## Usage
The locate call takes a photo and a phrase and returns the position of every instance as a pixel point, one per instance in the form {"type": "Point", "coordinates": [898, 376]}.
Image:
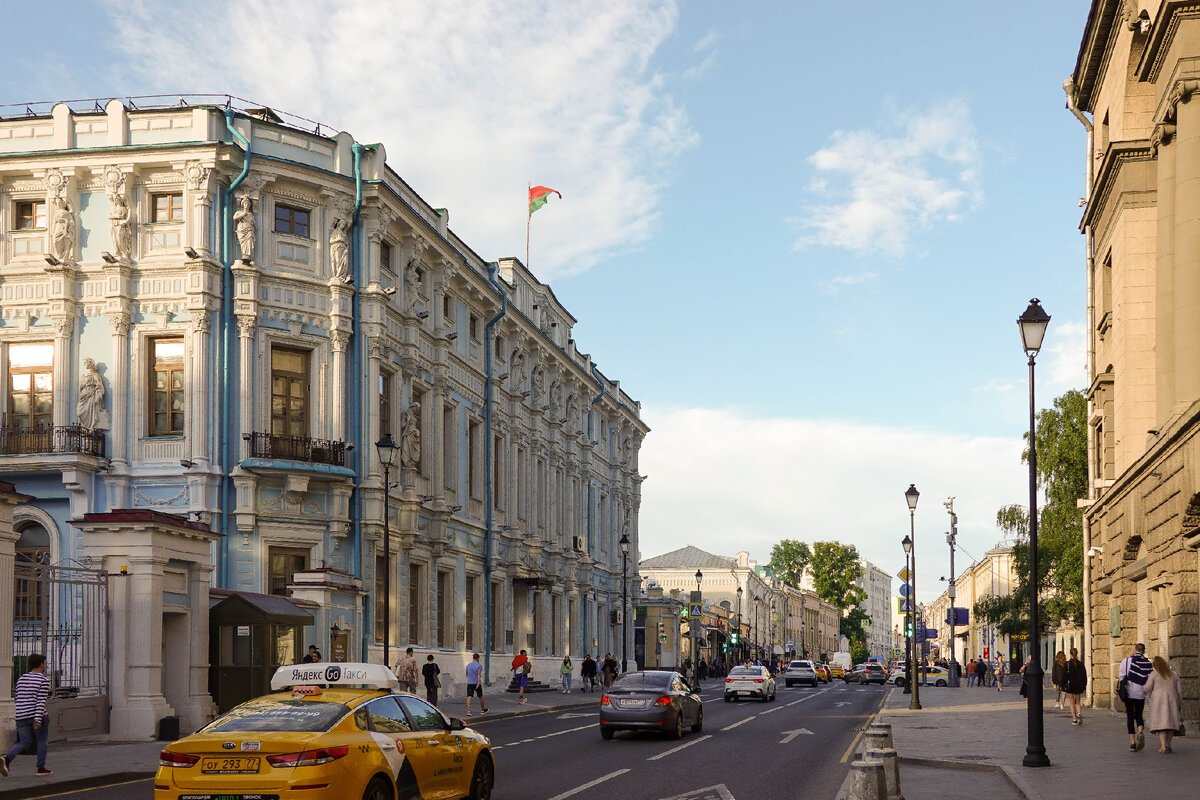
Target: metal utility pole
{"type": "Point", "coordinates": [951, 539]}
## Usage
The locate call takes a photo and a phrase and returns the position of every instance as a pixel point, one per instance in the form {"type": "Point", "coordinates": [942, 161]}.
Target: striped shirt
{"type": "Point", "coordinates": [32, 690]}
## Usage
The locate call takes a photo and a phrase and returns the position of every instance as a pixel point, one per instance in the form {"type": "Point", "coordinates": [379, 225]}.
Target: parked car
{"type": "Point", "coordinates": [750, 682]}
{"type": "Point", "coordinates": [867, 673]}
{"type": "Point", "coordinates": [650, 700]}
{"type": "Point", "coordinates": [938, 676]}
{"type": "Point", "coordinates": [801, 671]}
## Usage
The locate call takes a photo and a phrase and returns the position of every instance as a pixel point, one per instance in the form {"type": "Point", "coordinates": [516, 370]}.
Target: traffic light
{"type": "Point", "coordinates": [908, 629]}
{"type": "Point", "coordinates": [733, 638]}
{"type": "Point", "coordinates": [662, 632]}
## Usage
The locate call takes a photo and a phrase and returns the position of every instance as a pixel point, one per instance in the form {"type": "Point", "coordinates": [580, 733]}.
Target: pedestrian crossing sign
{"type": "Point", "coordinates": [903, 605]}
{"type": "Point", "coordinates": [695, 610]}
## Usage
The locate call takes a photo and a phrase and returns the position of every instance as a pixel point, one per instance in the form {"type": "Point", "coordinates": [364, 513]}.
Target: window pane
{"type": "Point", "coordinates": [288, 361]}
{"type": "Point", "coordinates": [387, 717]}
{"type": "Point", "coordinates": [30, 355]}
{"type": "Point", "coordinates": [426, 717]}
{"type": "Point", "coordinates": [168, 351]}
{"type": "Point", "coordinates": [21, 381]}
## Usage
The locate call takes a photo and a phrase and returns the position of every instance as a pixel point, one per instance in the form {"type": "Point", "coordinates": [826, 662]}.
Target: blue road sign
{"type": "Point", "coordinates": [903, 605]}
{"type": "Point", "coordinates": [905, 590]}
{"type": "Point", "coordinates": [695, 610]}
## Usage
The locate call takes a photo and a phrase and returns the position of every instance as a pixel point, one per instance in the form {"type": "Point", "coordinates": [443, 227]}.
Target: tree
{"type": "Point", "coordinates": [1061, 433]}
{"type": "Point", "coordinates": [836, 571]}
{"type": "Point", "coordinates": [789, 559]}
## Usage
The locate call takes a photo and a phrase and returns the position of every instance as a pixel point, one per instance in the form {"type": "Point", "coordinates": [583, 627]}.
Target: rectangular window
{"type": "Point", "coordinates": [168, 207]}
{"type": "Point", "coordinates": [385, 256]}
{"type": "Point", "coordinates": [283, 563]}
{"type": "Point", "coordinates": [470, 612]}
{"type": "Point", "coordinates": [30, 216]}
{"type": "Point", "coordinates": [289, 219]}
{"type": "Point", "coordinates": [166, 387]}
{"type": "Point", "coordinates": [496, 611]}
{"type": "Point", "coordinates": [414, 603]}
{"type": "Point", "coordinates": [475, 459]}
{"type": "Point", "coordinates": [445, 610]}
{"type": "Point", "coordinates": [473, 326]}
{"type": "Point", "coordinates": [30, 385]}
{"type": "Point", "coordinates": [450, 446]}
{"type": "Point", "coordinates": [539, 510]}
{"type": "Point", "coordinates": [289, 393]}
{"type": "Point", "coordinates": [385, 402]}
{"type": "Point", "coordinates": [497, 474]}
{"type": "Point", "coordinates": [377, 606]}
{"type": "Point", "coordinates": [499, 348]}
{"type": "Point", "coordinates": [447, 308]}
{"type": "Point", "coordinates": [522, 485]}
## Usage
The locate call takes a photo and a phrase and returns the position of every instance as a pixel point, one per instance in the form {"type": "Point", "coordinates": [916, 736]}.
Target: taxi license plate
{"type": "Point", "coordinates": [229, 766]}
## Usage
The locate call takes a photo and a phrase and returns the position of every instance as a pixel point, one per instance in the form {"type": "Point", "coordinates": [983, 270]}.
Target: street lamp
{"type": "Point", "coordinates": [1033, 327]}
{"type": "Point", "coordinates": [952, 539]}
{"type": "Point", "coordinates": [696, 631]}
{"type": "Point", "coordinates": [624, 542]}
{"type": "Point", "coordinates": [771, 625]}
{"type": "Point", "coordinates": [757, 646]}
{"type": "Point", "coordinates": [911, 494]}
{"type": "Point", "coordinates": [741, 644]}
{"type": "Point", "coordinates": [906, 543]}
{"type": "Point", "coordinates": [386, 449]}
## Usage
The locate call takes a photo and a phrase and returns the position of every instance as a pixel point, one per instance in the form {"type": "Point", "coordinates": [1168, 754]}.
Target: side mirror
{"type": "Point", "coordinates": [457, 724]}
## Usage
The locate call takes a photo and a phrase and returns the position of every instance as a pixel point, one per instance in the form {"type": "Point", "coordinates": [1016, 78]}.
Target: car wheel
{"type": "Point", "coordinates": [727, 699]}
{"type": "Point", "coordinates": [699, 726]}
{"type": "Point", "coordinates": [940, 683]}
{"type": "Point", "coordinates": [676, 731]}
{"type": "Point", "coordinates": [606, 733]}
{"type": "Point", "coordinates": [378, 789]}
{"type": "Point", "coordinates": [483, 779]}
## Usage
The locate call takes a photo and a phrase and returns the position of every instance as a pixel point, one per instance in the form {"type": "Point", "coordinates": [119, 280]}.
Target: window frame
{"type": "Point", "coordinates": [291, 220]}
{"type": "Point", "coordinates": [33, 215]}
{"type": "Point", "coordinates": [306, 375]}
{"type": "Point", "coordinates": [39, 369]}
{"type": "Point", "coordinates": [171, 208]}
{"type": "Point", "coordinates": [153, 371]}
{"type": "Point", "coordinates": [385, 256]}
{"type": "Point", "coordinates": [304, 553]}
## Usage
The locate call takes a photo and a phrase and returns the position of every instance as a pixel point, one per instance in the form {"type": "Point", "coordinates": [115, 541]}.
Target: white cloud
{"type": "Point", "coordinates": [872, 189]}
{"type": "Point", "coordinates": [473, 100]}
{"type": "Point", "coordinates": [994, 386]}
{"type": "Point", "coordinates": [725, 482]}
{"type": "Point", "coordinates": [1063, 359]}
{"type": "Point", "coordinates": [835, 285]}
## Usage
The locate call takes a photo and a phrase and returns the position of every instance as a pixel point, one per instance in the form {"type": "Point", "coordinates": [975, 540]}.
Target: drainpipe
{"type": "Point", "coordinates": [1089, 259]}
{"type": "Point", "coordinates": [225, 440]}
{"type": "Point", "coordinates": [489, 478]}
{"type": "Point", "coordinates": [590, 501]}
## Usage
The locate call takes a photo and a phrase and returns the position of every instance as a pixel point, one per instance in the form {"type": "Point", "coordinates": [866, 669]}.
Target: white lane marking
{"type": "Point", "coordinates": [841, 703]}
{"type": "Point", "coordinates": [740, 722]}
{"type": "Point", "coordinates": [707, 793]}
{"type": "Point", "coordinates": [568, 730]}
{"type": "Point", "coordinates": [573, 716]}
{"type": "Point", "coordinates": [769, 711]}
{"type": "Point", "coordinates": [793, 734]}
{"type": "Point", "coordinates": [590, 784]}
{"type": "Point", "coordinates": [680, 747]}
{"type": "Point", "coordinates": [802, 699]}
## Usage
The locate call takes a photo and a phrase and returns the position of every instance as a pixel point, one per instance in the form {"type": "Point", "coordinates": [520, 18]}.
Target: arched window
{"type": "Point", "coordinates": [32, 584]}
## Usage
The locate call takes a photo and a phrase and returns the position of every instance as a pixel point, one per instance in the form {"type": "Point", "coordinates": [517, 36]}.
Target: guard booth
{"type": "Point", "coordinates": [252, 635]}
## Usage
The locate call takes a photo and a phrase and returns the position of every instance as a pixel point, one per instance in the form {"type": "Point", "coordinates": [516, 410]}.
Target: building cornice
{"type": "Point", "coordinates": [1095, 50]}
{"type": "Point", "coordinates": [1162, 35]}
{"type": "Point", "coordinates": [1119, 154]}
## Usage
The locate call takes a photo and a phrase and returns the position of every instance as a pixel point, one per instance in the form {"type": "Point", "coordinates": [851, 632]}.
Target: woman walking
{"type": "Point", "coordinates": [1058, 678]}
{"type": "Point", "coordinates": [1076, 681]}
{"type": "Point", "coordinates": [564, 673]}
{"type": "Point", "coordinates": [1163, 703]}
{"type": "Point", "coordinates": [430, 671]}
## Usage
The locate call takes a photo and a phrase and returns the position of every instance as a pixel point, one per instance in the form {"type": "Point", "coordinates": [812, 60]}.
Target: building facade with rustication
{"type": "Point", "coordinates": [209, 315]}
{"type": "Point", "coordinates": [1134, 89]}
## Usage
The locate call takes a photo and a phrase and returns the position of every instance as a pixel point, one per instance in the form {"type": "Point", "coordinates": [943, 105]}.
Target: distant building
{"type": "Point", "coordinates": [880, 602]}
{"type": "Point", "coordinates": [992, 575]}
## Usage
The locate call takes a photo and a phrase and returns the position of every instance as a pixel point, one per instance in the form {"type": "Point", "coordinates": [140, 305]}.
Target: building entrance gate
{"type": "Point", "coordinates": [61, 611]}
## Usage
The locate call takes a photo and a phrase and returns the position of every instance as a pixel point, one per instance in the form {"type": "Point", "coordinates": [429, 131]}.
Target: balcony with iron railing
{"type": "Point", "coordinates": [52, 439]}
{"type": "Point", "coordinates": [297, 448]}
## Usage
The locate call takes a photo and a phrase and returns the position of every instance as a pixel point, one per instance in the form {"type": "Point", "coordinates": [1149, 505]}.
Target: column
{"type": "Point", "coordinates": [64, 328]}
{"type": "Point", "coordinates": [200, 703]}
{"type": "Point", "coordinates": [338, 340]}
{"type": "Point", "coordinates": [1187, 247]}
{"type": "Point", "coordinates": [200, 383]}
{"type": "Point", "coordinates": [135, 715]}
{"type": "Point", "coordinates": [119, 378]}
{"type": "Point", "coordinates": [246, 328]}
{"type": "Point", "coordinates": [196, 175]}
{"type": "Point", "coordinates": [8, 545]}
{"type": "Point", "coordinates": [1164, 279]}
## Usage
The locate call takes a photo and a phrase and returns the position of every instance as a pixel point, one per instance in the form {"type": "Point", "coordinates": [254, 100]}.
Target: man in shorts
{"type": "Point", "coordinates": [521, 669]}
{"type": "Point", "coordinates": [474, 684]}
{"type": "Point", "coordinates": [406, 672]}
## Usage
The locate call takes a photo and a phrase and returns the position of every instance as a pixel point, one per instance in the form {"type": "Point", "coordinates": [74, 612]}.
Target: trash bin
{"type": "Point", "coordinates": [168, 729]}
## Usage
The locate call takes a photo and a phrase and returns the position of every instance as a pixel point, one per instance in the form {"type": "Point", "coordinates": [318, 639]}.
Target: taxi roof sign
{"type": "Point", "coordinates": [372, 676]}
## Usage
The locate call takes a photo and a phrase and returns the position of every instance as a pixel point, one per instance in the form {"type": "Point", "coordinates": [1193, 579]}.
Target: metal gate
{"type": "Point", "coordinates": [61, 611]}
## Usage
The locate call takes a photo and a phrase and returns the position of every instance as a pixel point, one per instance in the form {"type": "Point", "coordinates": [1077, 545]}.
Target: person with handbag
{"type": "Point", "coordinates": [1058, 676]}
{"type": "Point", "coordinates": [1076, 678]}
{"type": "Point", "coordinates": [431, 672]}
{"type": "Point", "coordinates": [1024, 685]}
{"type": "Point", "coordinates": [1135, 671]}
{"type": "Point", "coordinates": [1164, 703]}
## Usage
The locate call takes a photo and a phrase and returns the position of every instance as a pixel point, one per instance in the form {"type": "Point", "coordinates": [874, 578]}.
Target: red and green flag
{"type": "Point", "coordinates": [539, 196]}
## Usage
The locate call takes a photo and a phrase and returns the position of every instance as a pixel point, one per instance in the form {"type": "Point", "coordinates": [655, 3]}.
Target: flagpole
{"type": "Point", "coordinates": [528, 217]}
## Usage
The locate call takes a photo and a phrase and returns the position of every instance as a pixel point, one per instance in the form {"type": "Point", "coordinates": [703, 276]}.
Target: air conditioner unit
{"type": "Point", "coordinates": [577, 543]}
{"type": "Point", "coordinates": [617, 617]}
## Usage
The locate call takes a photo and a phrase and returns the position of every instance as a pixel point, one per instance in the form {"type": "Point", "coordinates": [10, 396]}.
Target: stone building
{"type": "Point", "coordinates": [990, 576]}
{"type": "Point", "coordinates": [1134, 91]}
{"type": "Point", "coordinates": [877, 583]}
{"type": "Point", "coordinates": [209, 315]}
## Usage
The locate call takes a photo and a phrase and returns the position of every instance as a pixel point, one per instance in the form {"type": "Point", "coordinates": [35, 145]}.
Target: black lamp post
{"type": "Point", "coordinates": [908, 621]}
{"type": "Point", "coordinates": [624, 542]}
{"type": "Point", "coordinates": [386, 448]}
{"type": "Point", "coordinates": [757, 646]}
{"type": "Point", "coordinates": [741, 644]}
{"type": "Point", "coordinates": [771, 625]}
{"type": "Point", "coordinates": [695, 626]}
{"type": "Point", "coordinates": [911, 494]}
{"type": "Point", "coordinates": [1033, 328]}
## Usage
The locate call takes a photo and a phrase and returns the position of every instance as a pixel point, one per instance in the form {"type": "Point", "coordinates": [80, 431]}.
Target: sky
{"type": "Point", "coordinates": [800, 237]}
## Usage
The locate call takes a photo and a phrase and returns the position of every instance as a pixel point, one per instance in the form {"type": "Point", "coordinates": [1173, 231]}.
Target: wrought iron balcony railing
{"type": "Point", "coordinates": [297, 448]}
{"type": "Point", "coordinates": [52, 439]}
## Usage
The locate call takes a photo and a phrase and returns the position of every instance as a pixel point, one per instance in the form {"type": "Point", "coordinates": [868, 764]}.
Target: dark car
{"type": "Point", "coordinates": [651, 700]}
{"type": "Point", "coordinates": [867, 673]}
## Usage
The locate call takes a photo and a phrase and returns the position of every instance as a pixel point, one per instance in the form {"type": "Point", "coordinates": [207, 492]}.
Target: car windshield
{"type": "Point", "coordinates": [744, 671]}
{"type": "Point", "coordinates": [801, 665]}
{"type": "Point", "coordinates": [279, 715]}
{"type": "Point", "coordinates": [643, 680]}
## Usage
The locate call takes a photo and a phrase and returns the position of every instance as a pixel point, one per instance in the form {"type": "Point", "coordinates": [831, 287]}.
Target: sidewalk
{"type": "Point", "coordinates": [83, 764]}
{"type": "Point", "coordinates": [967, 738]}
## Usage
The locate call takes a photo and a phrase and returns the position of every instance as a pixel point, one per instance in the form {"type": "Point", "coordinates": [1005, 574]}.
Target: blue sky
{"type": "Point", "coordinates": [800, 236]}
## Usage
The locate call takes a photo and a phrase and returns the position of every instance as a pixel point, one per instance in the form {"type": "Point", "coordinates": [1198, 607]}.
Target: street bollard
{"type": "Point", "coordinates": [878, 737]}
{"type": "Point", "coordinates": [867, 781]}
{"type": "Point", "coordinates": [891, 770]}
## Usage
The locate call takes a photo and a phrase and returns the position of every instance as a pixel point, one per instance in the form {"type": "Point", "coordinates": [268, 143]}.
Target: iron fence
{"type": "Point", "coordinates": [52, 439]}
{"type": "Point", "coordinates": [298, 448]}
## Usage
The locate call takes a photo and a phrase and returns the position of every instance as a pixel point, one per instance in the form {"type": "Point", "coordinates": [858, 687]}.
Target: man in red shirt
{"type": "Point", "coordinates": [521, 668]}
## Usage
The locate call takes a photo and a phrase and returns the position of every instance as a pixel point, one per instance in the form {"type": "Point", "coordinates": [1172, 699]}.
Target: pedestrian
{"type": "Point", "coordinates": [998, 671]}
{"type": "Point", "coordinates": [970, 674]}
{"type": "Point", "coordinates": [406, 672]}
{"type": "Point", "coordinates": [587, 673]}
{"type": "Point", "coordinates": [313, 656]}
{"type": "Point", "coordinates": [1135, 671]}
{"type": "Point", "coordinates": [475, 684]}
{"type": "Point", "coordinates": [981, 673]}
{"type": "Point", "coordinates": [33, 723]}
{"type": "Point", "coordinates": [521, 670]}
{"type": "Point", "coordinates": [1165, 703]}
{"type": "Point", "coordinates": [701, 670]}
{"type": "Point", "coordinates": [433, 682]}
{"type": "Point", "coordinates": [564, 674]}
{"type": "Point", "coordinates": [608, 670]}
{"type": "Point", "coordinates": [1058, 676]}
{"type": "Point", "coordinates": [1076, 679]}
{"type": "Point", "coordinates": [1024, 683]}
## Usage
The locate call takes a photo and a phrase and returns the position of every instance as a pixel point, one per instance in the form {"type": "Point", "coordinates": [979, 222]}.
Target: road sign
{"type": "Point", "coordinates": [897, 652]}
{"type": "Point", "coordinates": [791, 644]}
{"type": "Point", "coordinates": [905, 590]}
{"type": "Point", "coordinates": [903, 605]}
{"type": "Point", "coordinates": [904, 574]}
{"type": "Point", "coordinates": [695, 610]}
{"type": "Point", "coordinates": [919, 635]}
{"type": "Point", "coordinates": [931, 633]}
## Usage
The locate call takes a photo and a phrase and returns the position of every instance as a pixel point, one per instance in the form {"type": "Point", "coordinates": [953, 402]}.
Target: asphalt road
{"type": "Point", "coordinates": [793, 746]}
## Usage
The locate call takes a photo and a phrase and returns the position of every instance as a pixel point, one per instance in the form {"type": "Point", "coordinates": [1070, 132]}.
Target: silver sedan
{"type": "Point", "coordinates": [749, 682]}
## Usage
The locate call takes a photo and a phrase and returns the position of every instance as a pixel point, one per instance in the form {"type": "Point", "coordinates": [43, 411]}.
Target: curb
{"type": "Point", "coordinates": [76, 784]}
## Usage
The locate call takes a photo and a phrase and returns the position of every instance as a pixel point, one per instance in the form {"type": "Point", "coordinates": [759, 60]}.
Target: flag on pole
{"type": "Point", "coordinates": [539, 196]}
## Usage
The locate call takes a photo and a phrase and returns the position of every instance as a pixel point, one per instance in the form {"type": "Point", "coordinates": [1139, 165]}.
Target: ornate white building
{"type": "Point", "coordinates": [210, 315]}
{"type": "Point", "coordinates": [880, 603]}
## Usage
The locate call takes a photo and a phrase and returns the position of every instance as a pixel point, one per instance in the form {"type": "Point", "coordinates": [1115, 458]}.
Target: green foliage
{"type": "Point", "coordinates": [789, 559]}
{"type": "Point", "coordinates": [835, 569]}
{"type": "Point", "coordinates": [859, 652]}
{"type": "Point", "coordinates": [851, 625]}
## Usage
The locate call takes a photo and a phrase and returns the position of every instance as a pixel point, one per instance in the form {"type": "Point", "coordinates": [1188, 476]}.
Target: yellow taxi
{"type": "Point", "coordinates": [329, 731]}
{"type": "Point", "coordinates": [836, 671]}
{"type": "Point", "coordinates": [822, 671]}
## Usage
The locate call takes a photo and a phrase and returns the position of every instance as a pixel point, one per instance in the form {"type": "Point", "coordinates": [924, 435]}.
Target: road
{"type": "Point", "coordinates": [747, 750]}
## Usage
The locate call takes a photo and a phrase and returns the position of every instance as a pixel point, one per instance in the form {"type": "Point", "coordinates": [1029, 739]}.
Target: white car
{"type": "Point", "coordinates": [801, 671]}
{"type": "Point", "coordinates": [937, 676]}
{"type": "Point", "coordinates": [749, 682]}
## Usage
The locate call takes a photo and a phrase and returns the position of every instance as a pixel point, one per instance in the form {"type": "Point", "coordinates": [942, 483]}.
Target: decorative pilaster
{"type": "Point", "coordinates": [199, 192]}
{"type": "Point", "coordinates": [339, 340]}
{"type": "Point", "coordinates": [247, 326]}
{"type": "Point", "coordinates": [64, 329]}
{"type": "Point", "coordinates": [1186, 246]}
{"type": "Point", "coordinates": [200, 389]}
{"type": "Point", "coordinates": [1164, 274]}
{"type": "Point", "coordinates": [200, 707]}
{"type": "Point", "coordinates": [119, 327]}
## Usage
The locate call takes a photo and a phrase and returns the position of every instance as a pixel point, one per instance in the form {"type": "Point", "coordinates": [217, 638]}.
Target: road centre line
{"type": "Point", "coordinates": [680, 747]}
{"type": "Point", "coordinates": [590, 784]}
{"type": "Point", "coordinates": [544, 736]}
{"type": "Point", "coordinates": [739, 722]}
{"type": "Point", "coordinates": [769, 711]}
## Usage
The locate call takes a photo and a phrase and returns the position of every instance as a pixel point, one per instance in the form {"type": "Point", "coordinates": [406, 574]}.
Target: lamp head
{"type": "Point", "coordinates": [1033, 327]}
{"type": "Point", "coordinates": [386, 448]}
{"type": "Point", "coordinates": [907, 543]}
{"type": "Point", "coordinates": [699, 576]}
{"type": "Point", "coordinates": [624, 542]}
{"type": "Point", "coordinates": [911, 494]}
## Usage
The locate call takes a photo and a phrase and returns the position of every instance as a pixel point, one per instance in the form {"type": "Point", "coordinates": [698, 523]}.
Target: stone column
{"type": "Point", "coordinates": [8, 545]}
{"type": "Point", "coordinates": [137, 601]}
{"type": "Point", "coordinates": [64, 328]}
{"type": "Point", "coordinates": [200, 706]}
{"type": "Point", "coordinates": [246, 329]}
{"type": "Point", "coordinates": [1187, 246]}
{"type": "Point", "coordinates": [197, 175]}
{"type": "Point", "coordinates": [119, 379]}
{"type": "Point", "coordinates": [339, 339]}
{"type": "Point", "coordinates": [1164, 277]}
{"type": "Point", "coordinates": [200, 382]}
